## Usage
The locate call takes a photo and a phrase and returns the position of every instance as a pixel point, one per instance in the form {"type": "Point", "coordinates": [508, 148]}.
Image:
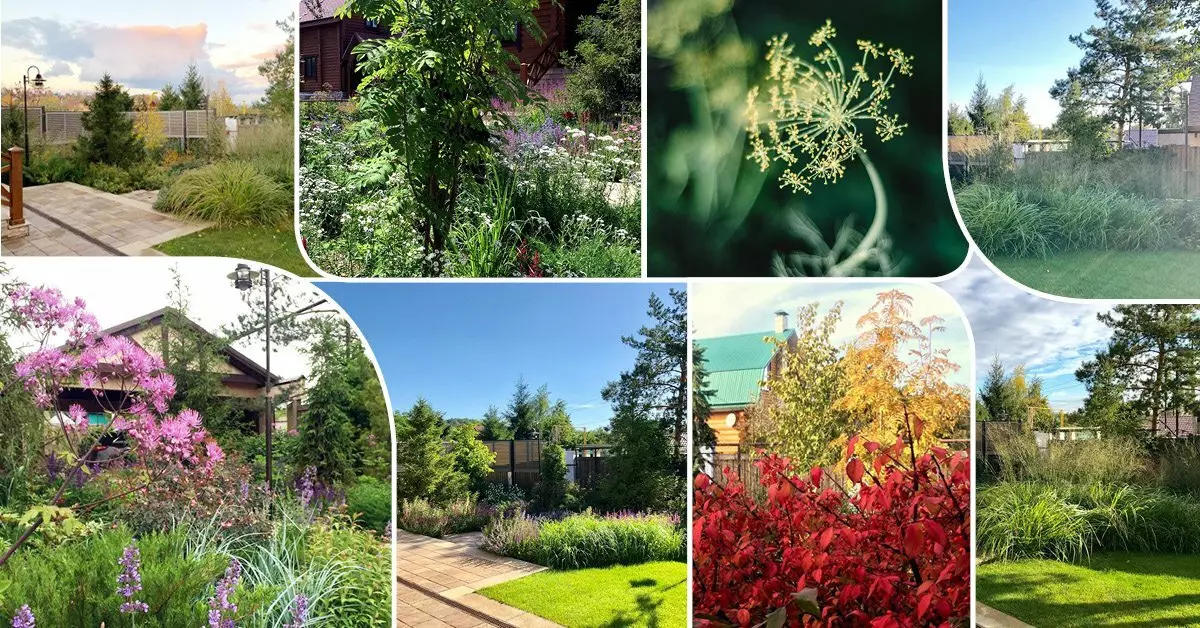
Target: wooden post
{"type": "Point", "coordinates": [525, 73]}
{"type": "Point", "coordinates": [16, 216]}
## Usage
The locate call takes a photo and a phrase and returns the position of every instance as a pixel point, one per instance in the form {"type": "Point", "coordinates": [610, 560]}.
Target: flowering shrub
{"type": "Point", "coordinates": [131, 385]}
{"type": "Point", "coordinates": [892, 550]}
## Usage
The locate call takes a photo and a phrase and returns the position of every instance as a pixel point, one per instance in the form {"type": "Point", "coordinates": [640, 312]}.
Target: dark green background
{"type": "Point", "coordinates": [926, 239]}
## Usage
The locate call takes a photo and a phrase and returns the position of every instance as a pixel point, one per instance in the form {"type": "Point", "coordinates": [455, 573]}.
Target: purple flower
{"type": "Point", "coordinates": [306, 486]}
{"type": "Point", "coordinates": [299, 612]}
{"type": "Point", "coordinates": [24, 618]}
{"type": "Point", "coordinates": [220, 607]}
{"type": "Point", "coordinates": [129, 581]}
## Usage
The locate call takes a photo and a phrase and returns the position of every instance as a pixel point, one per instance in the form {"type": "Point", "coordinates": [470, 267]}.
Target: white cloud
{"type": "Point", "coordinates": [1051, 338]}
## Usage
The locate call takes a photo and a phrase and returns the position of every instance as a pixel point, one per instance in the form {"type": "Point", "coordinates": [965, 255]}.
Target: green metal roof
{"type": "Point", "coordinates": [735, 366]}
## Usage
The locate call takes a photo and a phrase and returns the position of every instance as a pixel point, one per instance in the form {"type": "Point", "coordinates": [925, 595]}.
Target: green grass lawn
{"type": "Point", "coordinates": [1109, 274]}
{"type": "Point", "coordinates": [651, 594]}
{"type": "Point", "coordinates": [1114, 589]}
{"type": "Point", "coordinates": [269, 245]}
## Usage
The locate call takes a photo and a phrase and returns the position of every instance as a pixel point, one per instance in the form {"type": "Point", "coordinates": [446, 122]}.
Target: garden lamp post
{"type": "Point", "coordinates": [243, 279]}
{"type": "Point", "coordinates": [38, 82]}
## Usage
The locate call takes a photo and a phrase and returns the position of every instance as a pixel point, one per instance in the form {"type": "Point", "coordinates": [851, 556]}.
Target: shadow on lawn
{"type": "Point", "coordinates": [648, 604]}
{"type": "Point", "coordinates": [1012, 594]}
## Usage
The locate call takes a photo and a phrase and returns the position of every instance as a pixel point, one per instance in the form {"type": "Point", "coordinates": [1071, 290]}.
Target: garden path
{"type": "Point", "coordinates": [436, 581]}
{"type": "Point", "coordinates": [69, 219]}
{"type": "Point", "coordinates": [988, 617]}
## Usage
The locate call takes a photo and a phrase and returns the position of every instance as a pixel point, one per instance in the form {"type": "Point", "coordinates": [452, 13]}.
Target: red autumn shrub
{"type": "Point", "coordinates": [892, 550]}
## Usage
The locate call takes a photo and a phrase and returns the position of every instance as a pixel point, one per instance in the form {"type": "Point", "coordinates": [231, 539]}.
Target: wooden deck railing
{"type": "Point", "coordinates": [533, 72]}
{"type": "Point", "coordinates": [10, 195]}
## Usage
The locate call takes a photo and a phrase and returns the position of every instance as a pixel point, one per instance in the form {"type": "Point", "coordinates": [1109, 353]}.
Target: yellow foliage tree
{"type": "Point", "coordinates": [220, 101]}
{"type": "Point", "coordinates": [150, 126]}
{"type": "Point", "coordinates": [882, 386]}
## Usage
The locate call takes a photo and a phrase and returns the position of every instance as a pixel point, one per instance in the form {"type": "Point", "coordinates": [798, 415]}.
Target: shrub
{"type": "Point", "coordinates": [1039, 520]}
{"type": "Point", "coordinates": [420, 516]}
{"type": "Point", "coordinates": [53, 165]}
{"type": "Point", "coordinates": [511, 534]}
{"type": "Point", "coordinates": [363, 597]}
{"type": "Point", "coordinates": [550, 491]}
{"type": "Point", "coordinates": [1111, 460]}
{"type": "Point", "coordinates": [588, 540]}
{"type": "Point", "coordinates": [372, 501]}
{"type": "Point", "coordinates": [74, 584]}
{"type": "Point", "coordinates": [224, 497]}
{"type": "Point", "coordinates": [501, 496]}
{"type": "Point", "coordinates": [106, 178]}
{"type": "Point", "coordinates": [227, 193]}
{"type": "Point", "coordinates": [895, 548]}
{"type": "Point", "coordinates": [607, 60]}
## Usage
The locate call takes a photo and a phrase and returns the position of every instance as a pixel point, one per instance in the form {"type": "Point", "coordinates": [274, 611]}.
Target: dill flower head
{"type": "Point", "coordinates": [812, 108]}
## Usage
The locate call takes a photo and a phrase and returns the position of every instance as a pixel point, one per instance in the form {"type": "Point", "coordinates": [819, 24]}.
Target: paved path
{"type": "Point", "coordinates": [72, 219]}
{"type": "Point", "coordinates": [436, 580]}
{"type": "Point", "coordinates": [988, 617]}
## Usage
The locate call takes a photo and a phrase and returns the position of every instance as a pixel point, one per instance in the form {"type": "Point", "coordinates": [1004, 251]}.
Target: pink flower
{"type": "Point", "coordinates": [77, 418]}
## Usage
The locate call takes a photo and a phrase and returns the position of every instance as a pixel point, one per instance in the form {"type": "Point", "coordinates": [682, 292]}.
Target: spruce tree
{"type": "Point", "coordinates": [421, 459]}
{"type": "Point", "coordinates": [326, 441]}
{"type": "Point", "coordinates": [494, 427]}
{"type": "Point", "coordinates": [169, 99]}
{"type": "Point", "coordinates": [522, 411]}
{"type": "Point", "coordinates": [109, 136]}
{"type": "Point", "coordinates": [191, 91]}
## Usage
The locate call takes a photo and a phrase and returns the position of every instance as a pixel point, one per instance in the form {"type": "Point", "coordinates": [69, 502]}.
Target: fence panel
{"type": "Point", "coordinates": [1181, 177]}
{"type": "Point", "coordinates": [64, 127]}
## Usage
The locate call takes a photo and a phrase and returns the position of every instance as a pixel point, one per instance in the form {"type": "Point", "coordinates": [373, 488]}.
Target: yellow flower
{"type": "Point", "coordinates": [809, 119]}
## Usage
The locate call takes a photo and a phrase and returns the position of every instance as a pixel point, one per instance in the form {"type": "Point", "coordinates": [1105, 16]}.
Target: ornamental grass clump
{"type": "Point", "coordinates": [806, 115]}
{"type": "Point", "coordinates": [227, 193]}
{"type": "Point", "coordinates": [586, 539]}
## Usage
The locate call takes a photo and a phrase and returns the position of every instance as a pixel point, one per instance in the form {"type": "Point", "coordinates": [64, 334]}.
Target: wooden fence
{"type": "Point", "coordinates": [519, 462]}
{"type": "Point", "coordinates": [1181, 177]}
{"type": "Point", "coordinates": [64, 127]}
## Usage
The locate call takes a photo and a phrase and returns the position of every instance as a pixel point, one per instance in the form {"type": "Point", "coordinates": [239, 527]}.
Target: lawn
{"type": "Point", "coordinates": [1113, 588]}
{"type": "Point", "coordinates": [1167, 274]}
{"type": "Point", "coordinates": [650, 594]}
{"type": "Point", "coordinates": [269, 245]}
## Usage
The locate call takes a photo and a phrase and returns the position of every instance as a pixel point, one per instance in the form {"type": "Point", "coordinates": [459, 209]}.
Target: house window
{"type": "Point", "coordinates": [372, 24]}
{"type": "Point", "coordinates": [308, 67]}
{"type": "Point", "coordinates": [513, 37]}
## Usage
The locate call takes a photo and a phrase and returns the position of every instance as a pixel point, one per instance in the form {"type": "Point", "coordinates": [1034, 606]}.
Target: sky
{"type": "Point", "coordinates": [143, 288]}
{"type": "Point", "coordinates": [462, 346]}
{"type": "Point", "coordinates": [144, 45]}
{"type": "Point", "coordinates": [1051, 338]}
{"type": "Point", "coordinates": [726, 308]}
{"type": "Point", "coordinates": [1014, 42]}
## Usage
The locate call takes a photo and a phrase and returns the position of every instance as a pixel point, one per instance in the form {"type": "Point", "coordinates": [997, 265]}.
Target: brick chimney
{"type": "Point", "coordinates": [780, 321]}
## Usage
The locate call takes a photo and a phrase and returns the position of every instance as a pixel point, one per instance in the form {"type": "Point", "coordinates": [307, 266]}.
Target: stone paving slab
{"type": "Point", "coordinates": [72, 219]}
{"type": "Point", "coordinates": [437, 580]}
{"type": "Point", "coordinates": [988, 617]}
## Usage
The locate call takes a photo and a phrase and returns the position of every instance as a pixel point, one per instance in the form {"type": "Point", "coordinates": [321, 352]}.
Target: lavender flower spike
{"type": "Point", "coordinates": [221, 608]}
{"type": "Point", "coordinates": [24, 618]}
{"type": "Point", "coordinates": [299, 611]}
{"type": "Point", "coordinates": [129, 581]}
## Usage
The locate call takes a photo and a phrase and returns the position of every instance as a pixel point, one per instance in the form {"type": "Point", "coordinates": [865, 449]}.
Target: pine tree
{"type": "Point", "coordinates": [702, 434]}
{"type": "Point", "coordinates": [326, 435]}
{"type": "Point", "coordinates": [979, 109]}
{"type": "Point", "coordinates": [191, 91]}
{"type": "Point", "coordinates": [110, 137]}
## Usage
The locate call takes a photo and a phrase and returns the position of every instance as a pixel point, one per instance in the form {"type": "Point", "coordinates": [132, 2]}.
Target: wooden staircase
{"type": "Point", "coordinates": [11, 196]}
{"type": "Point", "coordinates": [546, 58]}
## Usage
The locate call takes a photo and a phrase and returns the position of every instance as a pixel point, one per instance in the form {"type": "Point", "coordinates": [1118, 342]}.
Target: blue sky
{"type": "Point", "coordinates": [1051, 338]}
{"type": "Point", "coordinates": [462, 346]}
{"type": "Point", "coordinates": [142, 44]}
{"type": "Point", "coordinates": [1015, 42]}
{"type": "Point", "coordinates": [721, 308]}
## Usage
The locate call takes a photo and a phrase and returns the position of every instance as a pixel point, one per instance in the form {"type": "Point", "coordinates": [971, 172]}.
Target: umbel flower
{"type": "Point", "coordinates": [813, 107]}
{"type": "Point", "coordinates": [129, 581]}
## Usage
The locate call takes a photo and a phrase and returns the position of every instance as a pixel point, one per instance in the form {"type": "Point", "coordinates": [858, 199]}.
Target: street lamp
{"type": "Point", "coordinates": [38, 82]}
{"type": "Point", "coordinates": [243, 278]}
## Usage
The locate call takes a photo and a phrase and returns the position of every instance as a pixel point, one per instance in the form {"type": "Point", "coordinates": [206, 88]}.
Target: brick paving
{"type": "Point", "coordinates": [437, 580]}
{"type": "Point", "coordinates": [67, 219]}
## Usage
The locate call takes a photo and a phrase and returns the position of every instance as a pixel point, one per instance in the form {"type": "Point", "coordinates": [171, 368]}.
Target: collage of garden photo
{"type": "Point", "coordinates": [600, 314]}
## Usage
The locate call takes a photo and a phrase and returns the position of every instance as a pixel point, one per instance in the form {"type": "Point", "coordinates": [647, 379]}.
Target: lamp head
{"type": "Point", "coordinates": [242, 277]}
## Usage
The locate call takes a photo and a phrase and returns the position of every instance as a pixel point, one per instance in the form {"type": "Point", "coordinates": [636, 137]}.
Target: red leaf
{"type": "Point", "coordinates": [850, 446]}
{"type": "Point", "coordinates": [815, 476]}
{"type": "Point", "coordinates": [854, 470]}
{"type": "Point", "coordinates": [914, 536]}
{"type": "Point", "coordinates": [743, 617]}
{"type": "Point", "coordinates": [826, 538]}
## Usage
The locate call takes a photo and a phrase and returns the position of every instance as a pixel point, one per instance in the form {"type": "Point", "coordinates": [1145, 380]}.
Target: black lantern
{"type": "Point", "coordinates": [242, 277]}
{"type": "Point", "coordinates": [38, 83]}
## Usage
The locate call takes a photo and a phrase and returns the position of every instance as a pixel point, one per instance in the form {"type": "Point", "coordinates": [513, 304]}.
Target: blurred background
{"type": "Point", "coordinates": [712, 213]}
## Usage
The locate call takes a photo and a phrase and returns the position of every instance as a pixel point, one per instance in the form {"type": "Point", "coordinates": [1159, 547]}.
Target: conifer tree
{"type": "Point", "coordinates": [110, 137]}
